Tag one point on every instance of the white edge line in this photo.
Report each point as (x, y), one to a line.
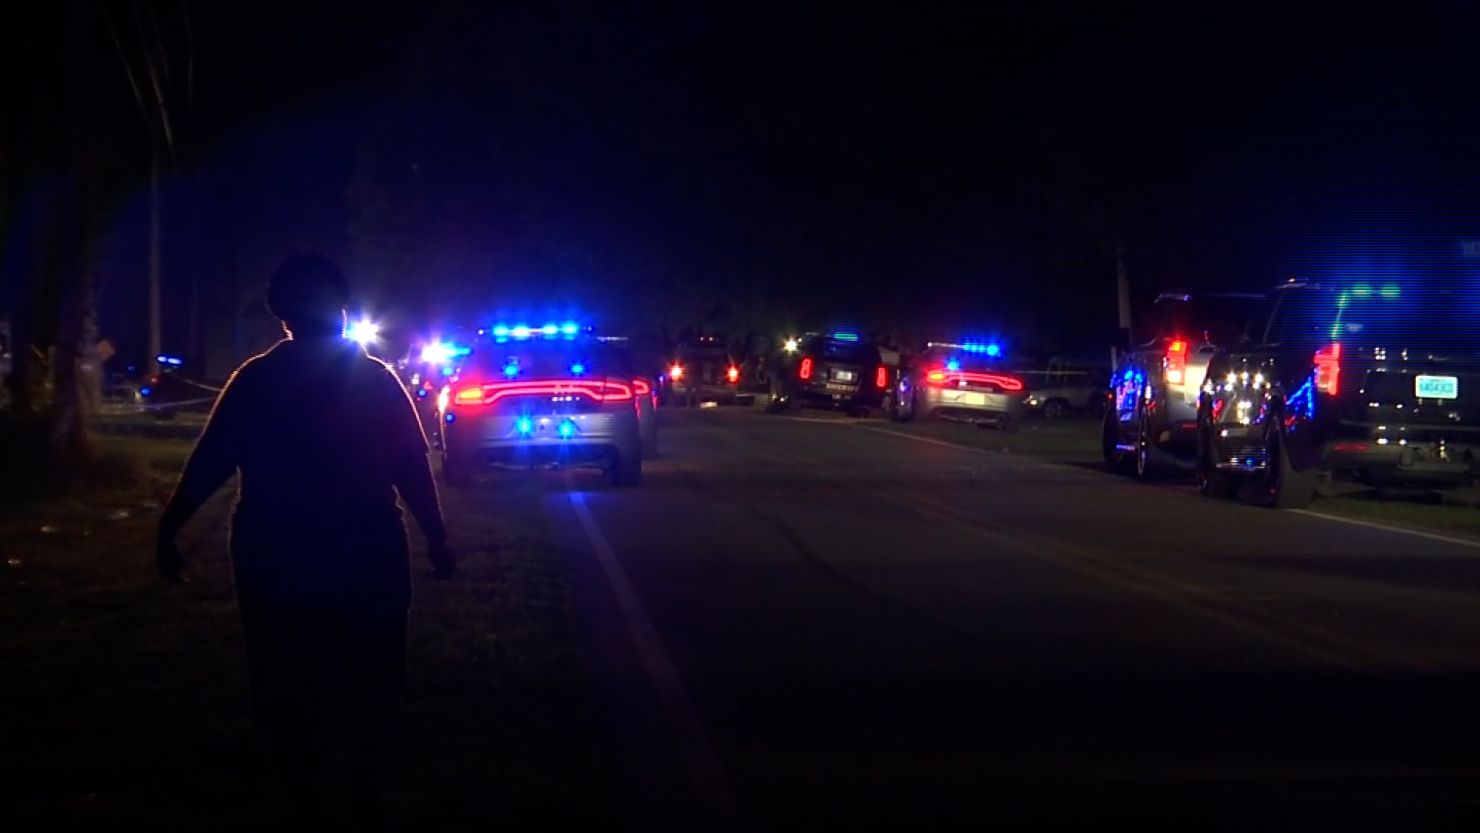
(1432, 536)
(693, 741)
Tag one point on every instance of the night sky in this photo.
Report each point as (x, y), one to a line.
(929, 172)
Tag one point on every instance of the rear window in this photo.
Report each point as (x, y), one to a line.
(539, 358)
(842, 351)
(1223, 317)
(1378, 316)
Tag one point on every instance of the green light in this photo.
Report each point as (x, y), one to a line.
(1391, 291)
(1361, 290)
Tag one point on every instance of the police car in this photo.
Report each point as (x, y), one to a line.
(541, 396)
(964, 382)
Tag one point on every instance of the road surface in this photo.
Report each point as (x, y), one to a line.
(820, 622)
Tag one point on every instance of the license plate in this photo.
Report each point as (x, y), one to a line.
(844, 375)
(971, 398)
(834, 388)
(1436, 387)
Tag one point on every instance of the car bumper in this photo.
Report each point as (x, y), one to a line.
(1397, 454)
(590, 437)
(970, 406)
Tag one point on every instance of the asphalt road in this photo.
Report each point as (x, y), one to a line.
(820, 622)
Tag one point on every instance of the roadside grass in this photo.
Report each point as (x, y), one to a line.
(126, 698)
(1411, 511)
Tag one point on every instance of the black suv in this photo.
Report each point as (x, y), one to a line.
(840, 371)
(1381, 382)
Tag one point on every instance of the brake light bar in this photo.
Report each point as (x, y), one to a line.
(600, 391)
(1007, 383)
(1175, 361)
(1328, 369)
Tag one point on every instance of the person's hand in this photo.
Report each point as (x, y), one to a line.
(444, 560)
(169, 561)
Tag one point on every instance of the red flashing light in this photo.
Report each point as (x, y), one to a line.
(881, 377)
(804, 370)
(1328, 369)
(490, 394)
(733, 374)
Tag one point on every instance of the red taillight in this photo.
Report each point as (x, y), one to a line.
(1008, 384)
(733, 374)
(641, 387)
(675, 372)
(804, 370)
(1176, 361)
(881, 377)
(601, 391)
(1328, 369)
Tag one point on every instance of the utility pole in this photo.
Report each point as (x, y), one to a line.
(1122, 298)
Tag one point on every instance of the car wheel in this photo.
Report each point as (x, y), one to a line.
(1055, 409)
(627, 470)
(1145, 468)
(1110, 442)
(1210, 481)
(1282, 486)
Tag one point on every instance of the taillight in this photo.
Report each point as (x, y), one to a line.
(881, 377)
(600, 391)
(675, 372)
(1007, 384)
(804, 370)
(641, 387)
(936, 376)
(1328, 369)
(733, 374)
(1176, 361)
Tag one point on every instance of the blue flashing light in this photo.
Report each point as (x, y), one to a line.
(172, 361)
(421, 393)
(450, 417)
(146, 391)
(481, 331)
(448, 370)
(953, 364)
(567, 429)
(845, 335)
(511, 369)
(994, 349)
(550, 329)
(525, 426)
(577, 369)
(570, 328)
(521, 331)
(501, 331)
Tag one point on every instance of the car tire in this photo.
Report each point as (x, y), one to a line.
(1283, 486)
(1110, 442)
(626, 470)
(1210, 481)
(1055, 409)
(456, 473)
(1145, 467)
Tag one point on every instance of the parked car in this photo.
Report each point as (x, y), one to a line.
(1150, 417)
(959, 382)
(705, 369)
(1063, 389)
(1380, 383)
(839, 370)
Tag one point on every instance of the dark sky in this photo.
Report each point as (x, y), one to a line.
(956, 167)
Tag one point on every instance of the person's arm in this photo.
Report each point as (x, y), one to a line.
(412, 476)
(211, 463)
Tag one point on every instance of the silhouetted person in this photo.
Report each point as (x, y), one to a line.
(324, 438)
